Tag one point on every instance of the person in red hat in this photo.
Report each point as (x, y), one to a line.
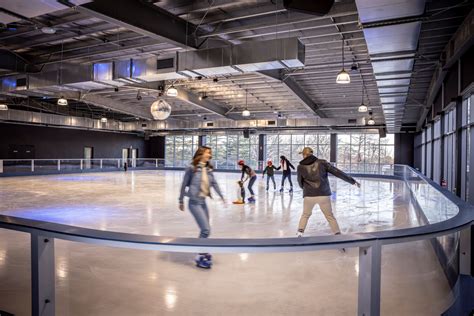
(270, 171)
(249, 174)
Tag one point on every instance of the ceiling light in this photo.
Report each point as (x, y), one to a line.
(103, 120)
(363, 108)
(62, 101)
(160, 110)
(172, 92)
(3, 107)
(246, 112)
(371, 120)
(48, 30)
(343, 77)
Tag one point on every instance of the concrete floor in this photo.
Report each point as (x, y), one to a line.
(96, 280)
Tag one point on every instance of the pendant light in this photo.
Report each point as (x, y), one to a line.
(371, 120)
(362, 107)
(343, 76)
(3, 107)
(172, 91)
(62, 101)
(103, 119)
(246, 112)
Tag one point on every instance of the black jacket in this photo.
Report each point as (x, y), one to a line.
(289, 165)
(270, 170)
(313, 176)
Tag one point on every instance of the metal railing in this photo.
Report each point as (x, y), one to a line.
(42, 166)
(452, 215)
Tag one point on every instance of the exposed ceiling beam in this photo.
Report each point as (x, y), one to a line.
(295, 89)
(143, 18)
(206, 104)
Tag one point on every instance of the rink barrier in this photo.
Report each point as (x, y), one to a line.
(22, 167)
(43, 235)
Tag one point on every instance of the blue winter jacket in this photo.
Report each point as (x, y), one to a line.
(192, 181)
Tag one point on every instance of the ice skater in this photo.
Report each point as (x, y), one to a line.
(240, 193)
(199, 179)
(313, 179)
(249, 174)
(286, 167)
(270, 171)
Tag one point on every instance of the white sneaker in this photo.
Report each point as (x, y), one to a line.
(299, 234)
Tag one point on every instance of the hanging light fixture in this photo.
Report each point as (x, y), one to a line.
(371, 120)
(62, 101)
(160, 110)
(3, 107)
(362, 107)
(343, 76)
(103, 119)
(246, 112)
(172, 91)
(48, 30)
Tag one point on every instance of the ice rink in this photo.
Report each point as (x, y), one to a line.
(95, 280)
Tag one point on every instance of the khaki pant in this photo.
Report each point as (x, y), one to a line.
(325, 205)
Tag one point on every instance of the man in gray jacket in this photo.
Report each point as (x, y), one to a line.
(313, 179)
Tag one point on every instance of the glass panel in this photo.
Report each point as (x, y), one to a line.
(298, 139)
(15, 272)
(285, 139)
(311, 138)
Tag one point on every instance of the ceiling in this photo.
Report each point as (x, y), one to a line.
(90, 34)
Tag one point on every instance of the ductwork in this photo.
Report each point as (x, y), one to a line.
(29, 9)
(248, 57)
(391, 33)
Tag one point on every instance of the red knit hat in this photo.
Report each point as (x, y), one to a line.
(241, 162)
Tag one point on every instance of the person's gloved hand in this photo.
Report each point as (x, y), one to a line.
(357, 184)
(181, 207)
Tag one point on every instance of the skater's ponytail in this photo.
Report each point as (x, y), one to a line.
(198, 155)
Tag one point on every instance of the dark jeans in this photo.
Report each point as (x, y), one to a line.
(273, 180)
(286, 175)
(251, 182)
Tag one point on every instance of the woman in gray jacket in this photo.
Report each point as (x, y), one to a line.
(199, 179)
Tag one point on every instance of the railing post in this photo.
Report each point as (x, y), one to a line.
(369, 280)
(118, 163)
(32, 165)
(1, 166)
(81, 165)
(465, 250)
(42, 276)
(101, 164)
(156, 163)
(59, 164)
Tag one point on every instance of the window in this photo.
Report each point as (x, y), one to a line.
(361, 152)
(179, 150)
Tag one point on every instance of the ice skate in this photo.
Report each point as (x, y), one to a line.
(291, 190)
(281, 190)
(251, 199)
(203, 262)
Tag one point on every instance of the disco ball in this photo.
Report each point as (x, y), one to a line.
(160, 109)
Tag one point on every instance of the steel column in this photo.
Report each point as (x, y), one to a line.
(369, 280)
(42, 276)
